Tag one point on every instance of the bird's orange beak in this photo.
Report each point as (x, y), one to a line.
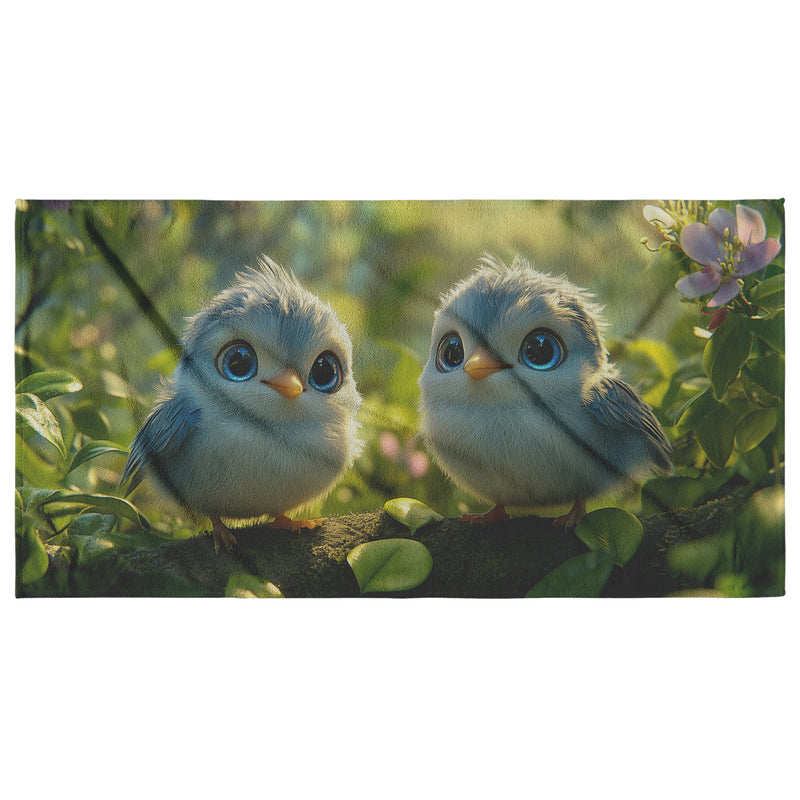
(288, 384)
(481, 365)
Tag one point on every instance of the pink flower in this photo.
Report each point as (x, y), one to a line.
(728, 248)
(417, 464)
(415, 461)
(389, 446)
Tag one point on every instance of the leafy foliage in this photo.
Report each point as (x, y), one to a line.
(581, 576)
(613, 531)
(613, 536)
(411, 513)
(745, 560)
(390, 565)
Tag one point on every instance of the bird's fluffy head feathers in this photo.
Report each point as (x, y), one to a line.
(267, 293)
(496, 292)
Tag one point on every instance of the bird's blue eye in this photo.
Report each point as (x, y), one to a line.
(237, 362)
(326, 373)
(449, 353)
(542, 350)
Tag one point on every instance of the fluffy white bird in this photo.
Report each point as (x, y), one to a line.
(259, 416)
(520, 404)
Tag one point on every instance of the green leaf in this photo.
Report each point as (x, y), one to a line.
(390, 565)
(92, 450)
(699, 558)
(669, 400)
(753, 545)
(582, 576)
(241, 584)
(411, 513)
(770, 329)
(31, 555)
(65, 424)
(694, 409)
(91, 421)
(116, 386)
(33, 497)
(768, 372)
(612, 530)
(754, 427)
(47, 385)
(764, 516)
(769, 292)
(773, 302)
(752, 465)
(91, 524)
(732, 585)
(90, 547)
(32, 411)
(106, 503)
(35, 470)
(715, 434)
(725, 353)
(668, 493)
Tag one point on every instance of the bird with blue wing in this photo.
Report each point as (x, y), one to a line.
(520, 403)
(259, 416)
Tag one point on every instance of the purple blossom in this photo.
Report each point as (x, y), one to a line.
(729, 248)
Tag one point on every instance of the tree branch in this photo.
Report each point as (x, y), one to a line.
(499, 559)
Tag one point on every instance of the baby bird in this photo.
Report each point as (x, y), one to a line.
(259, 416)
(520, 404)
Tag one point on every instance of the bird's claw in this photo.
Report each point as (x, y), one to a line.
(492, 515)
(283, 523)
(572, 517)
(223, 535)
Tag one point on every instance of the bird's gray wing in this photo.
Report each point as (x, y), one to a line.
(165, 428)
(615, 403)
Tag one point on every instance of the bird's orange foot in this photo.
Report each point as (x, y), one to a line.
(222, 535)
(493, 515)
(572, 517)
(285, 524)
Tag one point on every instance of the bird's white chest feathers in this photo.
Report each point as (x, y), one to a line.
(232, 468)
(516, 456)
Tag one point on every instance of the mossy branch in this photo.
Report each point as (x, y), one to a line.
(495, 560)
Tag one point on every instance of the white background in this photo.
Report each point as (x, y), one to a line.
(430, 698)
